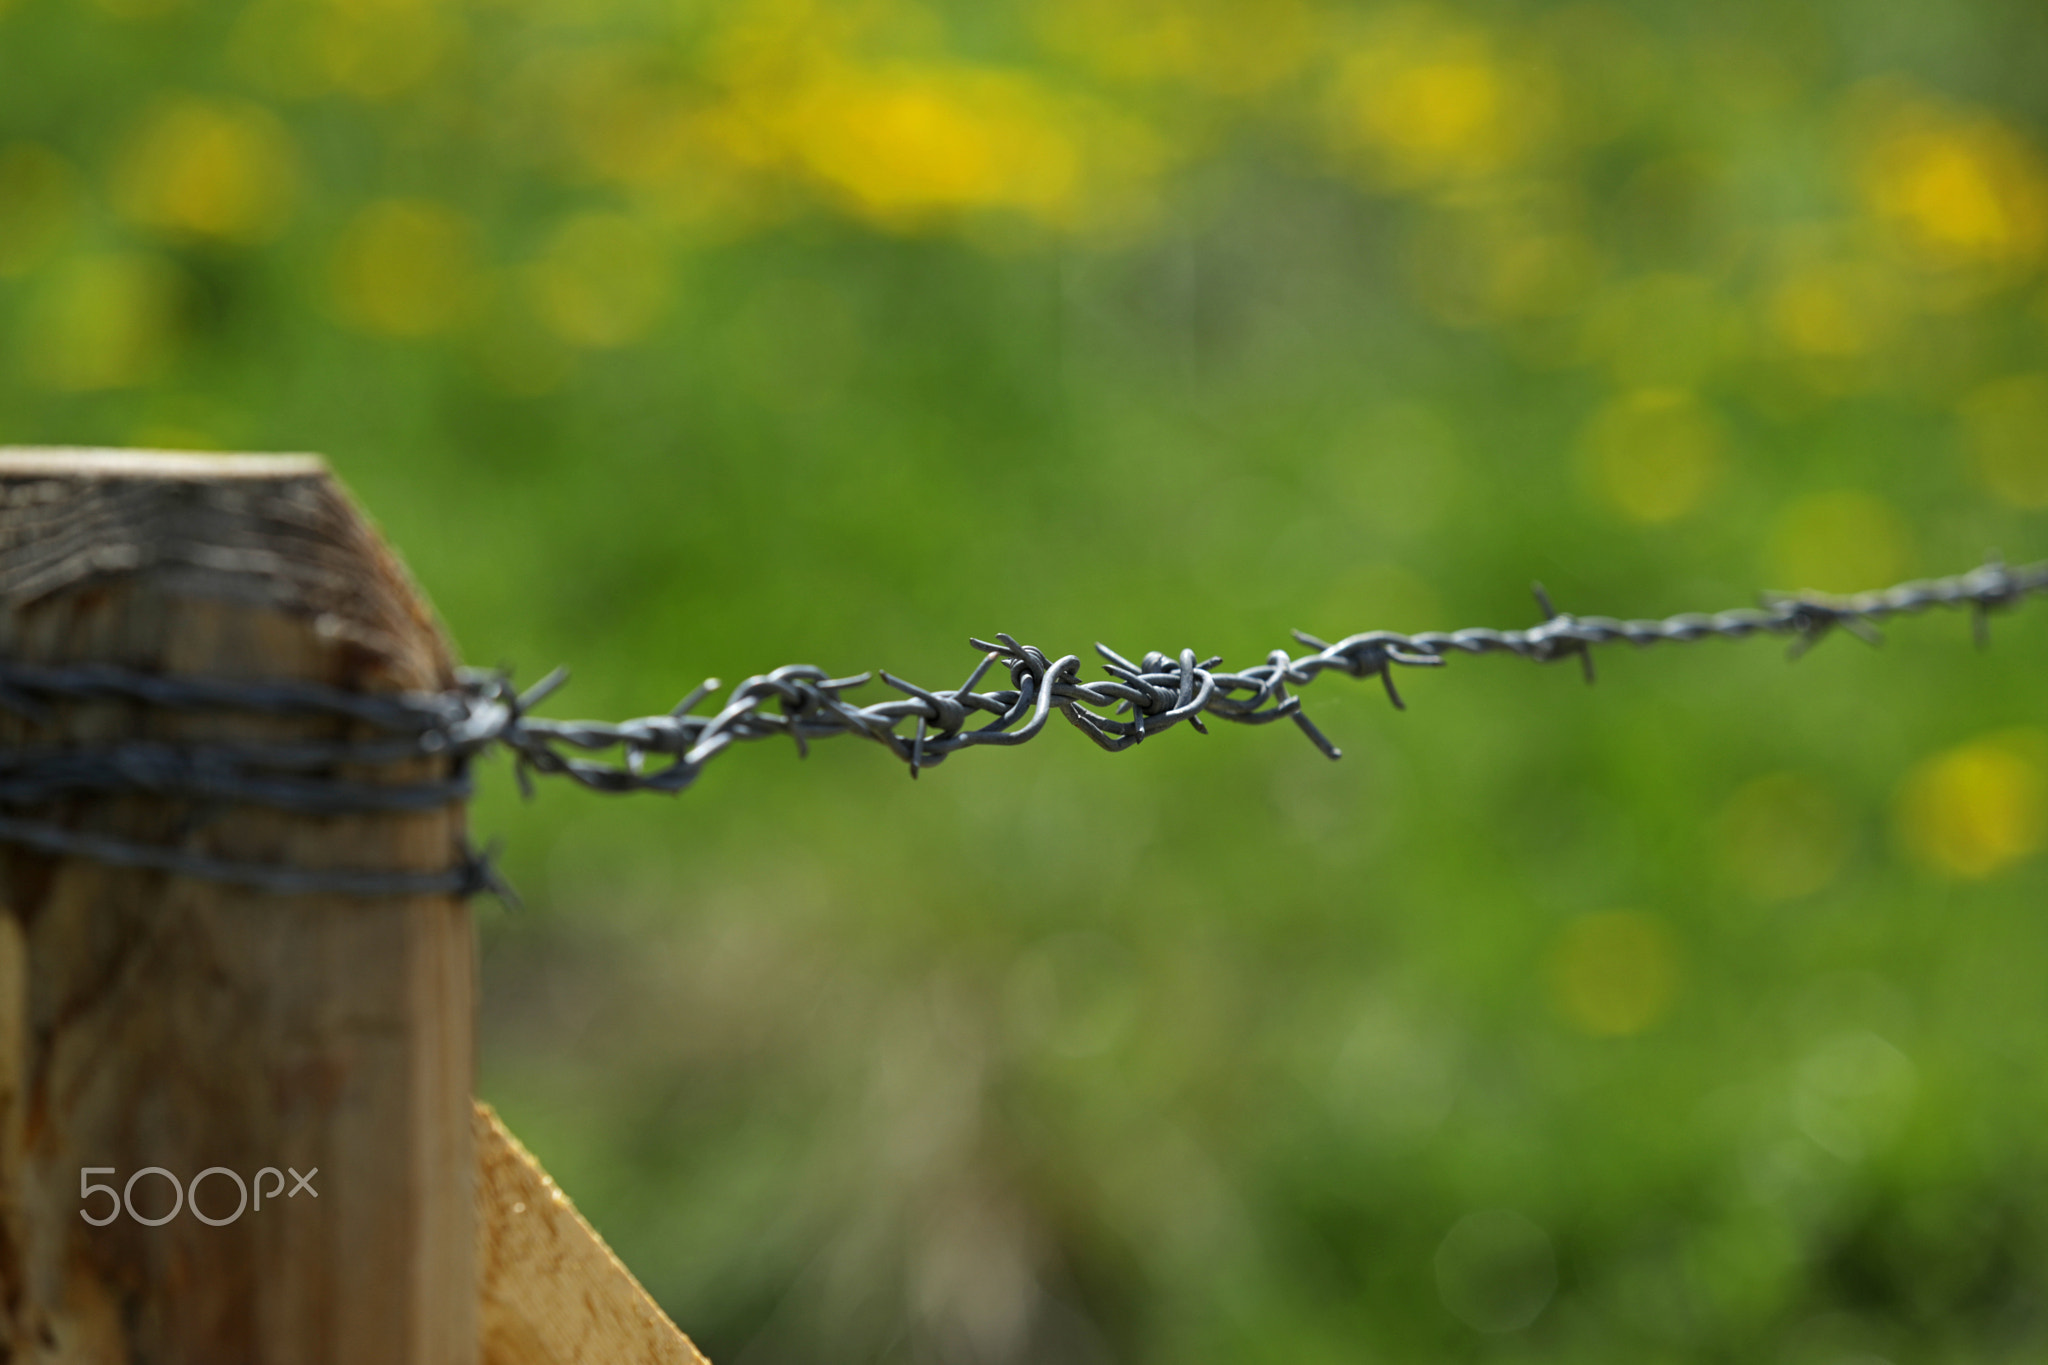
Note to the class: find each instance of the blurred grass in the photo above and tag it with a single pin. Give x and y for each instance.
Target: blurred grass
(677, 340)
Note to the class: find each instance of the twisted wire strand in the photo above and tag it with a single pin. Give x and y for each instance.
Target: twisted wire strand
(470, 873)
(1142, 698)
(801, 703)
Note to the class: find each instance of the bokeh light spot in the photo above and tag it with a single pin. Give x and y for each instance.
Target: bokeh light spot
(1429, 103)
(603, 280)
(1653, 455)
(1539, 274)
(371, 50)
(406, 267)
(2005, 424)
(1850, 1093)
(1219, 46)
(621, 116)
(375, 49)
(907, 143)
(1493, 269)
(103, 321)
(1439, 109)
(1962, 187)
(1978, 808)
(1394, 1078)
(1838, 541)
(39, 202)
(1496, 1271)
(1783, 836)
(1838, 309)
(212, 168)
(1614, 973)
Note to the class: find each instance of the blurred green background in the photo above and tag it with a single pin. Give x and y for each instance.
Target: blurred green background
(1698, 1016)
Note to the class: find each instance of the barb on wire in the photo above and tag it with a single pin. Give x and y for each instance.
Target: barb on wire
(1136, 700)
(1139, 699)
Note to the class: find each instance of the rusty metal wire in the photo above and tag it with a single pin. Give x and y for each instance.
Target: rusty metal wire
(801, 703)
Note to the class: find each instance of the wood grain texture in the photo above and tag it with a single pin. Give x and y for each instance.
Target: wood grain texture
(156, 1020)
(553, 1292)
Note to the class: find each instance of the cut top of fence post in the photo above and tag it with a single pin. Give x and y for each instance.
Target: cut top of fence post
(269, 531)
(156, 1020)
(70, 462)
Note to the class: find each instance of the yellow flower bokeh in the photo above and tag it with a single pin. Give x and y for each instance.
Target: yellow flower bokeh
(40, 198)
(223, 169)
(2005, 426)
(1653, 455)
(1431, 103)
(376, 49)
(904, 142)
(372, 50)
(1962, 187)
(1837, 309)
(1223, 47)
(104, 320)
(1783, 836)
(1498, 266)
(1976, 809)
(618, 114)
(603, 280)
(1614, 973)
(615, 116)
(900, 146)
(407, 267)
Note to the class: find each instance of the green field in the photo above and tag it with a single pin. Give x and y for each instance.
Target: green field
(1694, 1017)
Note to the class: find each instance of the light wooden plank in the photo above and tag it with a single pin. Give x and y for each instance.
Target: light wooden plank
(553, 1292)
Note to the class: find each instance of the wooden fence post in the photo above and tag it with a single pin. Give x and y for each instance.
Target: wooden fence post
(157, 1020)
(159, 1027)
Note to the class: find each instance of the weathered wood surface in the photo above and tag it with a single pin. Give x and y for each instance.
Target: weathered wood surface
(553, 1292)
(156, 1020)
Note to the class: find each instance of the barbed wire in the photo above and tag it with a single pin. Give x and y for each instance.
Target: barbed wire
(800, 703)
(1158, 691)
